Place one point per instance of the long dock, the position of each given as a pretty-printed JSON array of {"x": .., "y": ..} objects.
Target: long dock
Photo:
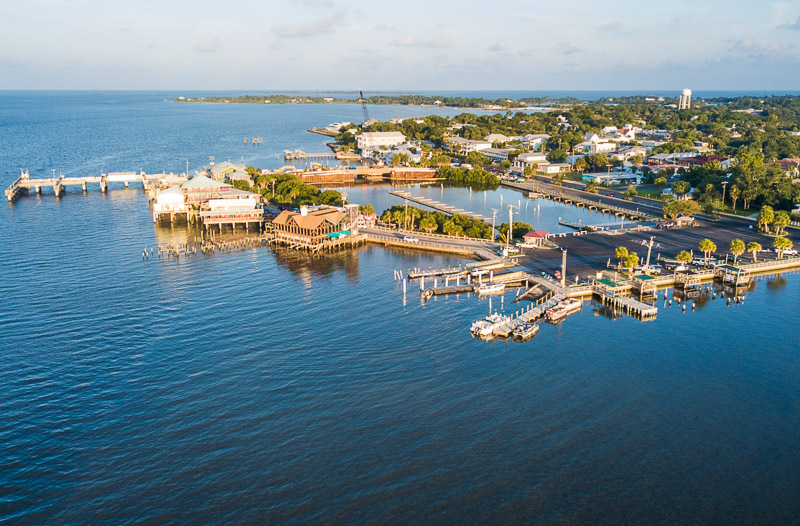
[
  {"x": 581, "y": 202},
  {"x": 300, "y": 155},
  {"x": 436, "y": 205},
  {"x": 24, "y": 184}
]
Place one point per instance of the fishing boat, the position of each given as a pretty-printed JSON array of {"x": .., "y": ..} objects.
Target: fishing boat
[
  {"x": 562, "y": 309},
  {"x": 486, "y": 326},
  {"x": 525, "y": 330},
  {"x": 490, "y": 288}
]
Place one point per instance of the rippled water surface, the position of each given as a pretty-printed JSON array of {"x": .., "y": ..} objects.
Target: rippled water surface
[{"x": 264, "y": 386}]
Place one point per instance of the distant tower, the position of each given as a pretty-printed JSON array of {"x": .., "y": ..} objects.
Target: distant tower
[{"x": 686, "y": 100}]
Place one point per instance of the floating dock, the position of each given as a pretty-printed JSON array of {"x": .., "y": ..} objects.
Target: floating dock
[{"x": 436, "y": 205}]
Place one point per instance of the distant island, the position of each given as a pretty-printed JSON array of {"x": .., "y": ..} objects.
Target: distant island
[{"x": 388, "y": 100}]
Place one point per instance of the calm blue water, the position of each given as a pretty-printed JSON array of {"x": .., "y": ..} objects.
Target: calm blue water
[{"x": 263, "y": 386}]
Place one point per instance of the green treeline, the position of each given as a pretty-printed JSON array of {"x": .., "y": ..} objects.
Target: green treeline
[{"x": 414, "y": 218}]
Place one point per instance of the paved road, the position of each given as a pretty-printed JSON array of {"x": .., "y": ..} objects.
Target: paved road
[{"x": 589, "y": 253}]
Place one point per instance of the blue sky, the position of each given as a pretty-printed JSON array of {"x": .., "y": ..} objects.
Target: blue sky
[{"x": 408, "y": 45}]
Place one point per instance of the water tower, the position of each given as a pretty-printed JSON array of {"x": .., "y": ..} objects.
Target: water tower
[{"x": 685, "y": 101}]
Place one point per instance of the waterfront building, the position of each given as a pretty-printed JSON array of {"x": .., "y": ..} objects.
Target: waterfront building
[
  {"x": 685, "y": 102},
  {"x": 201, "y": 188},
  {"x": 169, "y": 203},
  {"x": 372, "y": 140},
  {"x": 524, "y": 160},
  {"x": 311, "y": 228},
  {"x": 534, "y": 238},
  {"x": 236, "y": 207},
  {"x": 219, "y": 171}
]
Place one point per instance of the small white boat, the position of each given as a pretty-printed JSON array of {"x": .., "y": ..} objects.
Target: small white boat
[
  {"x": 486, "y": 326},
  {"x": 526, "y": 330},
  {"x": 490, "y": 288},
  {"x": 562, "y": 309}
]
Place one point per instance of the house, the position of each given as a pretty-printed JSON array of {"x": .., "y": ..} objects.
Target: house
[
  {"x": 497, "y": 154},
  {"x": 534, "y": 140},
  {"x": 790, "y": 166},
  {"x": 311, "y": 228},
  {"x": 534, "y": 238},
  {"x": 462, "y": 145},
  {"x": 555, "y": 168},
  {"x": 169, "y": 202},
  {"x": 219, "y": 171},
  {"x": 374, "y": 140},
  {"x": 240, "y": 176},
  {"x": 524, "y": 160},
  {"x": 497, "y": 137},
  {"x": 612, "y": 178},
  {"x": 609, "y": 131}
]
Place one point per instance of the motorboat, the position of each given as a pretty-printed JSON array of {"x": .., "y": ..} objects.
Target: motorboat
[
  {"x": 490, "y": 288},
  {"x": 486, "y": 326},
  {"x": 563, "y": 309},
  {"x": 525, "y": 330}
]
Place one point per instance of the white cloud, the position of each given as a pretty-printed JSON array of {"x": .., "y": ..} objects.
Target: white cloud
[
  {"x": 311, "y": 29},
  {"x": 211, "y": 45},
  {"x": 749, "y": 48},
  {"x": 500, "y": 46},
  {"x": 610, "y": 27},
  {"x": 795, "y": 26},
  {"x": 442, "y": 40}
]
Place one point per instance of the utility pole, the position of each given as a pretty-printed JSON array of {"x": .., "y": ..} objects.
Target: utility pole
[
  {"x": 187, "y": 168},
  {"x": 405, "y": 215},
  {"x": 649, "y": 249},
  {"x": 563, "y": 268},
  {"x": 510, "y": 226},
  {"x": 724, "y": 185},
  {"x": 494, "y": 215}
]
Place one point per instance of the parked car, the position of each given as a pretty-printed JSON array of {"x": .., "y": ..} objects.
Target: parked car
[
  {"x": 789, "y": 252},
  {"x": 410, "y": 239}
]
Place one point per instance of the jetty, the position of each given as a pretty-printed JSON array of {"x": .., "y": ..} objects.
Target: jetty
[
  {"x": 436, "y": 205},
  {"x": 24, "y": 184},
  {"x": 300, "y": 155}
]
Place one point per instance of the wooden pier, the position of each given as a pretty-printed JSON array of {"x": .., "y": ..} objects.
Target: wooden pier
[
  {"x": 591, "y": 204},
  {"x": 436, "y": 205},
  {"x": 24, "y": 184},
  {"x": 300, "y": 155}
]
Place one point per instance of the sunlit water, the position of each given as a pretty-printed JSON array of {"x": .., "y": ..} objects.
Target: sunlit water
[{"x": 263, "y": 386}]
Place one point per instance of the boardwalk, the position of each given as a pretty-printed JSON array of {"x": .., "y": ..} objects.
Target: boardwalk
[
  {"x": 436, "y": 205},
  {"x": 23, "y": 183}
]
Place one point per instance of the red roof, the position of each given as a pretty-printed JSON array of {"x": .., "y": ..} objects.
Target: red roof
[{"x": 536, "y": 234}]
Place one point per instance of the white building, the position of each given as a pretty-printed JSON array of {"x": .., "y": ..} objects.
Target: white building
[
  {"x": 170, "y": 200},
  {"x": 612, "y": 178},
  {"x": 496, "y": 154},
  {"x": 555, "y": 168},
  {"x": 460, "y": 144},
  {"x": 497, "y": 137},
  {"x": 524, "y": 160},
  {"x": 219, "y": 171},
  {"x": 371, "y": 140},
  {"x": 534, "y": 140}
]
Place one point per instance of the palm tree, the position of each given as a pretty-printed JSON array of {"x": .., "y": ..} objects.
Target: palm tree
[
  {"x": 399, "y": 217},
  {"x": 737, "y": 248},
  {"x": 683, "y": 256},
  {"x": 781, "y": 244},
  {"x": 754, "y": 247},
  {"x": 765, "y": 217},
  {"x": 630, "y": 261},
  {"x": 735, "y": 194},
  {"x": 621, "y": 253},
  {"x": 630, "y": 193},
  {"x": 707, "y": 247},
  {"x": 781, "y": 221},
  {"x": 428, "y": 224}
]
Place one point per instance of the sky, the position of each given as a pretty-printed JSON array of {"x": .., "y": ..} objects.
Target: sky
[{"x": 401, "y": 45}]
